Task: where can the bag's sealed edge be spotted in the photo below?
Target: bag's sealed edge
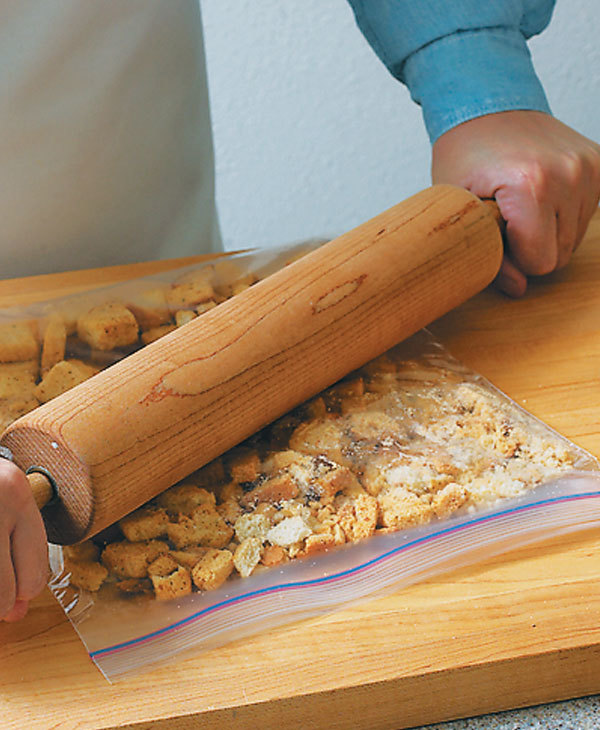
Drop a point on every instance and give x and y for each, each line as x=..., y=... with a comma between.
x=378, y=566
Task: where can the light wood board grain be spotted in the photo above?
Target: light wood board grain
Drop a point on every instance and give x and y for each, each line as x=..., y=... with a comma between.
x=519, y=629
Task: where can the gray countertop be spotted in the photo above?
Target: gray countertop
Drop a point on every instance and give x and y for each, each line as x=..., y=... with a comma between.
x=579, y=714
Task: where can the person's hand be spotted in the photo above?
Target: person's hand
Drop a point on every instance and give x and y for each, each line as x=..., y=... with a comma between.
x=545, y=178
x=23, y=546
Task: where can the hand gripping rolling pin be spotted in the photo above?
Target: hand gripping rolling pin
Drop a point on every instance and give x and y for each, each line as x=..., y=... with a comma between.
x=134, y=429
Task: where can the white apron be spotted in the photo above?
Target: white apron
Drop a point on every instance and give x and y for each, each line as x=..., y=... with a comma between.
x=105, y=146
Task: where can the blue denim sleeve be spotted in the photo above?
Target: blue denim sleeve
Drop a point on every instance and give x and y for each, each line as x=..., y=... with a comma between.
x=460, y=59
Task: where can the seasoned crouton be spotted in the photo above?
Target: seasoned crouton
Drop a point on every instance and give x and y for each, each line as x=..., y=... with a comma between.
x=273, y=555
x=204, y=307
x=146, y=523
x=86, y=574
x=54, y=342
x=17, y=379
x=131, y=559
x=204, y=526
x=173, y=585
x=400, y=508
x=288, y=532
x=243, y=465
x=321, y=436
x=358, y=516
x=183, y=316
x=18, y=342
x=163, y=565
x=276, y=489
x=247, y=556
x=13, y=408
x=251, y=525
x=108, y=326
x=212, y=570
x=148, y=305
x=188, y=558
x=191, y=289
x=65, y=375
x=184, y=497
x=449, y=499
x=230, y=510
x=83, y=551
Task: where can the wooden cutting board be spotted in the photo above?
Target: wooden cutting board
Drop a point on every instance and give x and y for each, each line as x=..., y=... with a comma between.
x=520, y=629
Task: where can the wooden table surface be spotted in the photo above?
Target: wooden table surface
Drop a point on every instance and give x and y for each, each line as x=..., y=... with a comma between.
x=521, y=629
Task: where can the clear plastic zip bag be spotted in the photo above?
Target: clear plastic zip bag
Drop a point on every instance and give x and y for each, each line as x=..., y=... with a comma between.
x=411, y=466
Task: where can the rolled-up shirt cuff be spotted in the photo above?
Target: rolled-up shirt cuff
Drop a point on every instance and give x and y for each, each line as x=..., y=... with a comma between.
x=472, y=73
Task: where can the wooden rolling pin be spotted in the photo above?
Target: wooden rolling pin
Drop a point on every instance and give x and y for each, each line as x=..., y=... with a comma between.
x=136, y=428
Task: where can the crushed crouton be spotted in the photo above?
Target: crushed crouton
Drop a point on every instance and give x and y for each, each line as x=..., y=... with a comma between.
x=247, y=556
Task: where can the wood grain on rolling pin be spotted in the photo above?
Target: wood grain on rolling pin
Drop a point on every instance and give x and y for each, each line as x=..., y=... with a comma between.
x=136, y=428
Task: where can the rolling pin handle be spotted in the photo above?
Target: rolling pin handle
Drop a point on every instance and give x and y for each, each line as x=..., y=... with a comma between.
x=40, y=480
x=42, y=485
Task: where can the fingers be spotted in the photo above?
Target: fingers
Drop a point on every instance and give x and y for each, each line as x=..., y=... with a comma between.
x=531, y=228
x=23, y=546
x=8, y=584
x=29, y=554
x=510, y=280
x=17, y=612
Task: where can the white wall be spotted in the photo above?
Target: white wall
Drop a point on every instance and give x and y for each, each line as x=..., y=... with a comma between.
x=313, y=136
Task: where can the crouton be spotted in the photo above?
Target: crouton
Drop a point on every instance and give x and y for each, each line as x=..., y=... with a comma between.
x=321, y=436
x=83, y=551
x=53, y=343
x=204, y=526
x=243, y=465
x=251, y=525
x=17, y=379
x=62, y=377
x=108, y=326
x=146, y=523
x=273, y=555
x=191, y=289
x=212, y=570
x=358, y=516
x=18, y=342
x=163, y=565
x=85, y=574
x=247, y=556
x=173, y=585
x=184, y=497
x=148, y=304
x=276, y=489
x=289, y=531
x=204, y=307
x=183, y=316
x=13, y=408
x=131, y=559
x=188, y=558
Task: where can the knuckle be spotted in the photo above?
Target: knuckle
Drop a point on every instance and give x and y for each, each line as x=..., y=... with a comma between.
x=572, y=168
